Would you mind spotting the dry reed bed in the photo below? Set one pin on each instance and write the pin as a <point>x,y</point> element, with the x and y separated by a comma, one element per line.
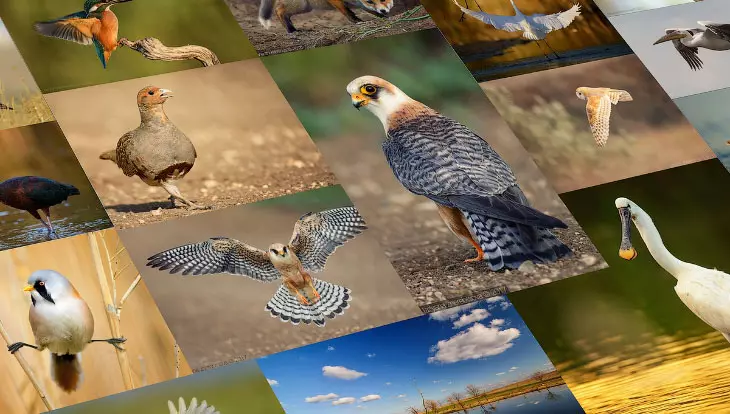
<point>100,268</point>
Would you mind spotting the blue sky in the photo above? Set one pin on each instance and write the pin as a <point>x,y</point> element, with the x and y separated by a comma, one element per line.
<point>485,344</point>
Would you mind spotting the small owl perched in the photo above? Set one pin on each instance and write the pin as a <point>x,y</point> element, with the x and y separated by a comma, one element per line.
<point>300,298</point>
<point>598,108</point>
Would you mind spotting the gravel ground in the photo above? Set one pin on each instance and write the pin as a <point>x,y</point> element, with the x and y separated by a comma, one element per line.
<point>323,28</point>
<point>427,256</point>
<point>250,144</point>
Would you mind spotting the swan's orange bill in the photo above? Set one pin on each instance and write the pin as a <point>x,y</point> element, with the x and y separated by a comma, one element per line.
<point>628,254</point>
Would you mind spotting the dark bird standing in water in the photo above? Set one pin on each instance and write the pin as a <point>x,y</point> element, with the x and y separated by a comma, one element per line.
<point>96,24</point>
<point>36,193</point>
<point>157,151</point>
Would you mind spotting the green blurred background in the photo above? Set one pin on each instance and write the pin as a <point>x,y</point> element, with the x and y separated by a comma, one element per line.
<point>235,388</point>
<point>59,64</point>
<point>708,113</point>
<point>314,81</point>
<point>616,310</point>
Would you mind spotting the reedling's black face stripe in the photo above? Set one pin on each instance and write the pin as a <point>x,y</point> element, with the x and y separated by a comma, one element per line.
<point>40,287</point>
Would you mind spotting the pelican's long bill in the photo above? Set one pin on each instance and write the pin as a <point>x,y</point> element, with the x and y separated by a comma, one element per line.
<point>669,36</point>
<point>626,251</point>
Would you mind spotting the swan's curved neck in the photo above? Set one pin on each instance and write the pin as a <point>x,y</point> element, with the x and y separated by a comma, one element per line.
<point>652,239</point>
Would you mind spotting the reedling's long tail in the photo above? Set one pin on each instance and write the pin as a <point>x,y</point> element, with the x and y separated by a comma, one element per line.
<point>333,301</point>
<point>66,371</point>
<point>508,245</point>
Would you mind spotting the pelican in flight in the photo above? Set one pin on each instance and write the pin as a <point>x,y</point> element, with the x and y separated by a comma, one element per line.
<point>712,36</point>
<point>533,27</point>
<point>706,292</point>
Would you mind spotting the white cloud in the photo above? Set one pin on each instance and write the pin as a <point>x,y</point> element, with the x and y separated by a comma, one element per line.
<point>370,355</point>
<point>330,348</point>
<point>451,313</point>
<point>513,368</point>
<point>495,299</point>
<point>496,322</point>
<point>467,319</point>
<point>387,383</point>
<point>273,383</point>
<point>321,398</point>
<point>400,396</point>
<point>341,373</point>
<point>344,400</point>
<point>476,342</point>
<point>436,381</point>
<point>500,373</point>
<point>501,300</point>
<point>371,397</point>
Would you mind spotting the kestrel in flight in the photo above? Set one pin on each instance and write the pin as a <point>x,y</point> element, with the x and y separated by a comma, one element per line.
<point>598,108</point>
<point>475,190</point>
<point>300,298</point>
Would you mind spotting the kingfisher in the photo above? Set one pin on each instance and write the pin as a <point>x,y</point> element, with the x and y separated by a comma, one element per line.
<point>96,25</point>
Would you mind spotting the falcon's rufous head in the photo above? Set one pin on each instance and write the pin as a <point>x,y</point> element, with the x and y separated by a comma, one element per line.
<point>377,95</point>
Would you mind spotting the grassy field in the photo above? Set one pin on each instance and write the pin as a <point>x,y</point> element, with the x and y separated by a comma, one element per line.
<point>30,108</point>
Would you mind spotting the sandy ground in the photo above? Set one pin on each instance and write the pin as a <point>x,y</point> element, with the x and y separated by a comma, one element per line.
<point>219,319</point>
<point>249,142</point>
<point>324,27</point>
<point>426,255</point>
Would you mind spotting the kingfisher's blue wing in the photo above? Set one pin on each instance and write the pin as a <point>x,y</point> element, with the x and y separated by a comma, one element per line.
<point>100,52</point>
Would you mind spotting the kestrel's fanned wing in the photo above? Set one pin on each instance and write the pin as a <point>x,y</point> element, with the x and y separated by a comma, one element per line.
<point>217,255</point>
<point>317,235</point>
<point>598,109</point>
<point>77,27</point>
<point>441,159</point>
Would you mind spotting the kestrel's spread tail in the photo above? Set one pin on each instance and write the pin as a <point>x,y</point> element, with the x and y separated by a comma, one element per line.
<point>333,300</point>
<point>598,109</point>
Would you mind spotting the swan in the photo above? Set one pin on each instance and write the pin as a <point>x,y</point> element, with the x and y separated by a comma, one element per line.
<point>706,292</point>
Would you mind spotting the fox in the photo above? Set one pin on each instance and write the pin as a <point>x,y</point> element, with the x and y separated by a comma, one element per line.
<point>285,9</point>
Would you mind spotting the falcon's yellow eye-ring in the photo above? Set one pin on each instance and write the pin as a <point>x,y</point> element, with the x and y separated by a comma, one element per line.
<point>368,90</point>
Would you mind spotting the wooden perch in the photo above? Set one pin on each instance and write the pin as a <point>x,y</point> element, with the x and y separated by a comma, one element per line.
<point>153,49</point>
<point>28,371</point>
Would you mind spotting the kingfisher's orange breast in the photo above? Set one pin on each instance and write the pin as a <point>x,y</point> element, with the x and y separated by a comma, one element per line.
<point>109,30</point>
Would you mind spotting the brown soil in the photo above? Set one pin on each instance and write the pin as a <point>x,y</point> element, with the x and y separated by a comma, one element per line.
<point>324,28</point>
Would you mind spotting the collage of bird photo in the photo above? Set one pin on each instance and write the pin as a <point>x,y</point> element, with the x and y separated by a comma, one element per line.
<point>364,206</point>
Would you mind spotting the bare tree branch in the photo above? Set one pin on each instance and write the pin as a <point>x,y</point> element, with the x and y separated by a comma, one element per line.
<point>154,49</point>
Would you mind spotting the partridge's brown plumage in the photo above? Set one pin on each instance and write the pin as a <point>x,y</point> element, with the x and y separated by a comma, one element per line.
<point>157,151</point>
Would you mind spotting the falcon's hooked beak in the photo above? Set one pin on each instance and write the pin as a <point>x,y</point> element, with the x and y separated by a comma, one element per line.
<point>626,251</point>
<point>671,36</point>
<point>359,101</point>
<point>28,288</point>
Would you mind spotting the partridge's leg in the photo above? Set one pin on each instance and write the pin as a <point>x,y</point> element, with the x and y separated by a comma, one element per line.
<point>175,192</point>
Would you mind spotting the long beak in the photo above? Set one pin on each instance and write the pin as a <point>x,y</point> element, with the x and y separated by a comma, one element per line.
<point>117,1</point>
<point>670,36</point>
<point>358,101</point>
<point>165,93</point>
<point>626,251</point>
<point>28,288</point>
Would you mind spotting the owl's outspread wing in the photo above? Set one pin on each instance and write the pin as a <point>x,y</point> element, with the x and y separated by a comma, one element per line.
<point>441,159</point>
<point>217,255</point>
<point>598,109</point>
<point>317,235</point>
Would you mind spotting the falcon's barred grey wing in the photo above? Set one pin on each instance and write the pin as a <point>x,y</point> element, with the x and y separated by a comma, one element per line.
<point>317,235</point>
<point>217,255</point>
<point>441,159</point>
